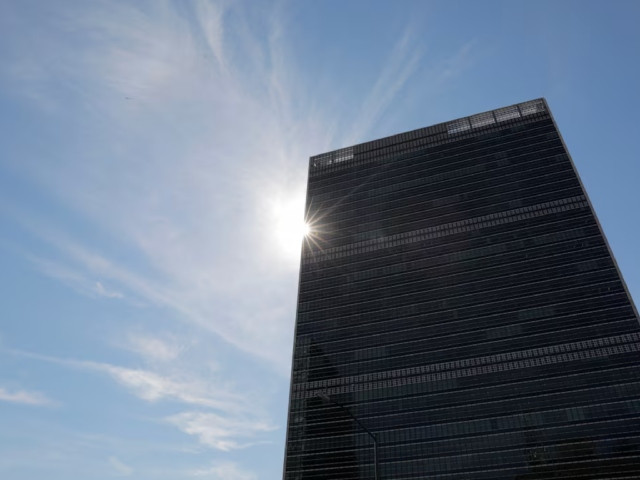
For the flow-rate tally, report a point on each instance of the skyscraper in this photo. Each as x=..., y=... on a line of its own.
x=458, y=300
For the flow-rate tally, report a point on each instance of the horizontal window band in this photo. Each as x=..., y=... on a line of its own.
x=564, y=417
x=467, y=326
x=369, y=189
x=394, y=141
x=515, y=303
x=568, y=251
x=408, y=158
x=538, y=147
x=350, y=156
x=360, y=193
x=457, y=297
x=325, y=368
x=418, y=443
x=459, y=199
x=381, y=380
x=491, y=275
x=468, y=332
x=608, y=377
x=476, y=223
x=326, y=418
x=517, y=239
x=431, y=450
x=468, y=465
x=416, y=141
x=359, y=160
x=341, y=442
x=342, y=234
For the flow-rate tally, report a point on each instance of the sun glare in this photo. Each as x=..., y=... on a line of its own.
x=289, y=226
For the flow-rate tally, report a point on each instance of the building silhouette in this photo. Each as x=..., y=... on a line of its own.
x=458, y=297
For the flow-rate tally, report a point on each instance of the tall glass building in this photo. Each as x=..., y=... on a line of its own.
x=459, y=301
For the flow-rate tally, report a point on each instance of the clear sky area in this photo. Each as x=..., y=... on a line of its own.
x=153, y=160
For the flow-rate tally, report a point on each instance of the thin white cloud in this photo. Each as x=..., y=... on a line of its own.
x=154, y=348
x=223, y=471
x=121, y=469
x=189, y=129
x=398, y=67
x=25, y=397
x=152, y=387
x=201, y=228
x=104, y=292
x=233, y=420
x=73, y=277
x=461, y=60
x=204, y=128
x=210, y=20
x=218, y=432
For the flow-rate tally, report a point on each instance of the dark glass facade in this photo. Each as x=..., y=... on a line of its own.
x=458, y=297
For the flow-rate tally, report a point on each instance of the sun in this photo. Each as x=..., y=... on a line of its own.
x=289, y=227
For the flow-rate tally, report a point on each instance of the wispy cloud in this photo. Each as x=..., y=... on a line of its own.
x=178, y=158
x=460, y=61
x=154, y=348
x=255, y=324
x=104, y=292
x=199, y=219
x=218, y=432
x=25, y=397
x=121, y=469
x=152, y=387
x=75, y=278
x=223, y=471
x=399, y=65
x=209, y=23
x=198, y=123
x=231, y=420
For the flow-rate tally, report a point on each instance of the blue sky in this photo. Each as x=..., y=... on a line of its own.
x=153, y=157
